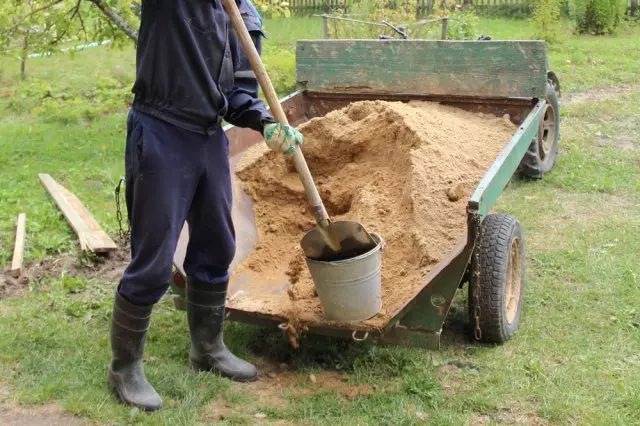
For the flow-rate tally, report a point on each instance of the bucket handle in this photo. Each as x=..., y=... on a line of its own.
x=359, y=339
x=382, y=241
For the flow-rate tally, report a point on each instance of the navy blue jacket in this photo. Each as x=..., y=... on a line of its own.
x=186, y=58
x=244, y=77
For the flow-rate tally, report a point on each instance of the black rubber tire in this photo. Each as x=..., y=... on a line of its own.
x=489, y=266
x=535, y=163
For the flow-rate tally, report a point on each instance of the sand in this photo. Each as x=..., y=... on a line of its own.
x=405, y=171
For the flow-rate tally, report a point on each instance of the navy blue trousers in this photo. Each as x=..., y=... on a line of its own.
x=173, y=175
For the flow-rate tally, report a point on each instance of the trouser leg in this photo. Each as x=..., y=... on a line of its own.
x=162, y=174
x=211, y=233
x=209, y=254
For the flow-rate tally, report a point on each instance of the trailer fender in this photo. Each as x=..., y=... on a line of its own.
x=554, y=81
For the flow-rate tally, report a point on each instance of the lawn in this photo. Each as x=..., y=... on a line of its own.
x=574, y=361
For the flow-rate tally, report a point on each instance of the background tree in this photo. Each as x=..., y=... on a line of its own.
x=45, y=26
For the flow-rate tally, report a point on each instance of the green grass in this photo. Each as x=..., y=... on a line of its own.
x=581, y=62
x=574, y=360
x=85, y=158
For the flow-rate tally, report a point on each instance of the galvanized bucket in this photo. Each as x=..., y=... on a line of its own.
x=349, y=289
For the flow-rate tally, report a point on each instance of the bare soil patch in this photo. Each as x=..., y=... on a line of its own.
x=12, y=414
x=276, y=385
x=105, y=267
x=598, y=95
x=44, y=415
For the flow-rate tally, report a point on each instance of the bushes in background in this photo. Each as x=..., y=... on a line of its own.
x=56, y=100
x=71, y=101
x=595, y=17
x=546, y=16
x=599, y=16
x=281, y=66
x=463, y=25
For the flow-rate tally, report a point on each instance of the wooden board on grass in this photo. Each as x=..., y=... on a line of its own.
x=18, y=251
x=89, y=233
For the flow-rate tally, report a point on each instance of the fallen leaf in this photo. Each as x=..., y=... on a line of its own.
x=422, y=416
x=351, y=393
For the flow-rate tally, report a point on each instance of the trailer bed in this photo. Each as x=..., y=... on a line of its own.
x=417, y=316
x=258, y=296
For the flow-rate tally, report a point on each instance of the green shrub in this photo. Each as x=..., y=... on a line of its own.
x=281, y=66
x=64, y=102
x=69, y=101
x=599, y=16
x=462, y=25
x=510, y=11
x=546, y=16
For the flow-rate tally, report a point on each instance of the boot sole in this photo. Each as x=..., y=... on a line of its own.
x=208, y=369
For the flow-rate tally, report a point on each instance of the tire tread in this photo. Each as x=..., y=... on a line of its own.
x=494, y=250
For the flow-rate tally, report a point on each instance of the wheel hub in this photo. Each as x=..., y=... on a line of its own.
x=548, y=131
x=513, y=283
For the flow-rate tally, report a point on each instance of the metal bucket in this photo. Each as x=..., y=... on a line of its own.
x=349, y=289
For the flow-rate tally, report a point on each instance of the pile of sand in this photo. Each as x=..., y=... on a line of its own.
x=405, y=171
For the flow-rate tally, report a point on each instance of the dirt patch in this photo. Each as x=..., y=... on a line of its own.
x=598, y=95
x=583, y=212
x=404, y=171
x=623, y=142
x=42, y=415
x=456, y=382
x=625, y=137
x=575, y=214
x=455, y=378
x=276, y=385
x=108, y=267
x=518, y=414
x=11, y=286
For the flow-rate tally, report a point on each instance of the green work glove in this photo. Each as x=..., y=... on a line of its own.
x=282, y=138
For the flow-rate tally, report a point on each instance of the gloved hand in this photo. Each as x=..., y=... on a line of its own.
x=282, y=138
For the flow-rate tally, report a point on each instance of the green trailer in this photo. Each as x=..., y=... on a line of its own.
x=495, y=77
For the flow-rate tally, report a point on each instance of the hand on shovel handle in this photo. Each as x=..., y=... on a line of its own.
x=319, y=212
x=282, y=138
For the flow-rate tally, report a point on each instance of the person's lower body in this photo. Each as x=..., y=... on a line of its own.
x=173, y=175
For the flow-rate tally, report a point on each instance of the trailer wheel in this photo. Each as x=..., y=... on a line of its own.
x=543, y=150
x=498, y=264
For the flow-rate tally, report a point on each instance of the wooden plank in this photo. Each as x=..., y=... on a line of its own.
x=90, y=235
x=18, y=251
x=455, y=68
x=98, y=241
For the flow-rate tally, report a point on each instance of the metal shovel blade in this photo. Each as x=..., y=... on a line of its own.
x=354, y=241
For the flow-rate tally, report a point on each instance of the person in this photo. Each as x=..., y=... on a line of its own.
x=177, y=169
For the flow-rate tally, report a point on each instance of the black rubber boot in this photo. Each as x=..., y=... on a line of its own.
x=129, y=325
x=205, y=312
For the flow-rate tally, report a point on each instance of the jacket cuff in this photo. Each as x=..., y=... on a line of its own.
x=266, y=119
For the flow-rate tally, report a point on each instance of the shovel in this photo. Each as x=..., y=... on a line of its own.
x=329, y=241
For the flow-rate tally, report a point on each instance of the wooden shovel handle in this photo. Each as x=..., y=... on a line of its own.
x=319, y=212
